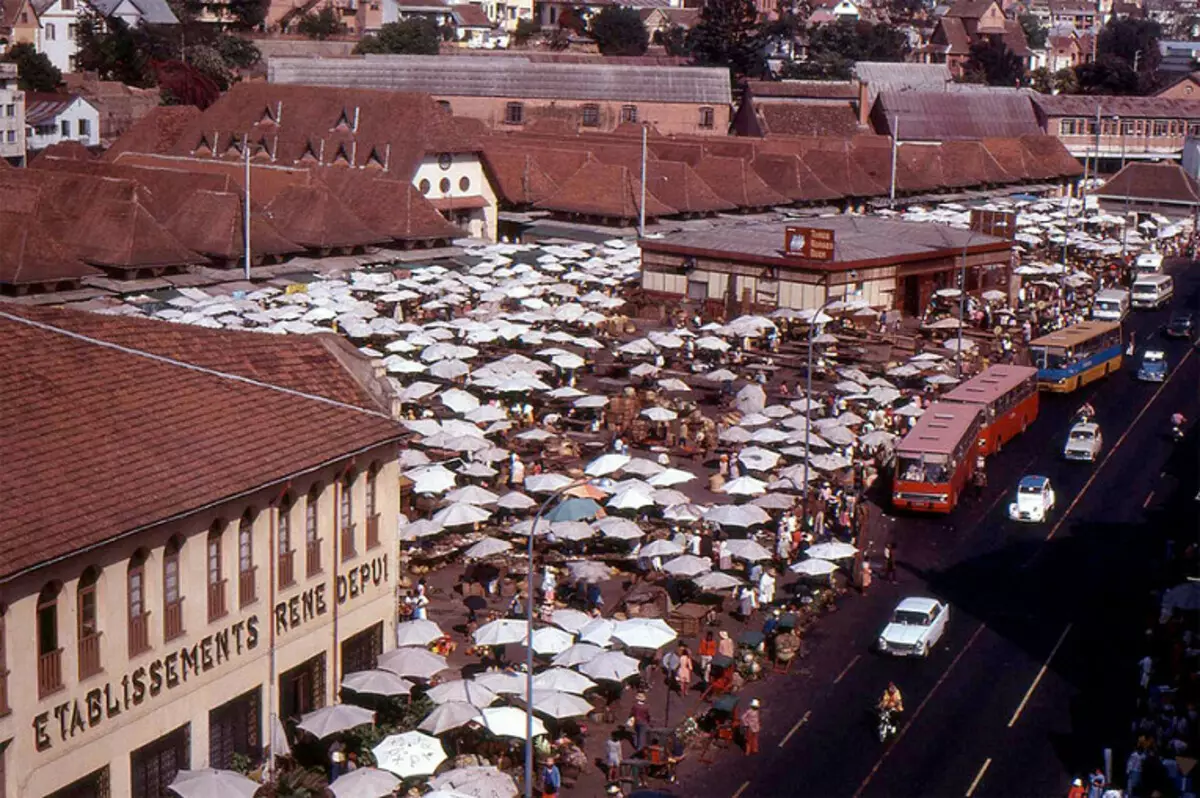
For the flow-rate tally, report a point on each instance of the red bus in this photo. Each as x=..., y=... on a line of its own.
x=1008, y=396
x=937, y=457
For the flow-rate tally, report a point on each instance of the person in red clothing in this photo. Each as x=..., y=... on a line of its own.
x=751, y=726
x=707, y=650
x=1077, y=789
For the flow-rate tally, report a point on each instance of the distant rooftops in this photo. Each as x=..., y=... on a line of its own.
x=517, y=77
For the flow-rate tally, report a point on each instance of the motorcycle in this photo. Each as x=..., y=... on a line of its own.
x=887, y=726
x=1176, y=433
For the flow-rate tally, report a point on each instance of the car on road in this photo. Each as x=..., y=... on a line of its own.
x=1180, y=325
x=1083, y=442
x=1153, y=367
x=915, y=627
x=1035, y=499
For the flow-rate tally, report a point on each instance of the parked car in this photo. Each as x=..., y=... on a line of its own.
x=1035, y=499
x=1180, y=325
x=1083, y=442
x=916, y=626
x=1153, y=367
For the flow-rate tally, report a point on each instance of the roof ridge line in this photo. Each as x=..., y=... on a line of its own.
x=190, y=366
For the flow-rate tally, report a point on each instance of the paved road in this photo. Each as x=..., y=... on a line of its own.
x=1035, y=675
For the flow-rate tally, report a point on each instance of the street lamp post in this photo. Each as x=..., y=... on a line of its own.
x=593, y=471
x=812, y=328
x=962, y=305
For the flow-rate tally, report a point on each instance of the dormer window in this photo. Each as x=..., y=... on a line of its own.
x=342, y=155
x=344, y=121
x=309, y=156
x=374, y=160
x=268, y=116
x=203, y=147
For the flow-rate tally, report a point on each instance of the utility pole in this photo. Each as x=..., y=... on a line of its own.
x=246, y=204
x=895, y=150
x=642, y=208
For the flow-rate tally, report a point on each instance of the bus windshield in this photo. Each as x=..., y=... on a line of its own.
x=931, y=468
x=1051, y=357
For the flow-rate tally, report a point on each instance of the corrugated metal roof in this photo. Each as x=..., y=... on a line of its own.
x=42, y=108
x=509, y=77
x=882, y=75
x=1083, y=105
x=947, y=116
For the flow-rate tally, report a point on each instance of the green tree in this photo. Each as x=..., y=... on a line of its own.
x=114, y=50
x=728, y=35
x=416, y=36
x=1035, y=34
x=34, y=68
x=246, y=14
x=1133, y=40
x=858, y=41
x=321, y=24
x=1042, y=80
x=1064, y=81
x=618, y=30
x=526, y=30
x=1109, y=74
x=993, y=63
x=675, y=41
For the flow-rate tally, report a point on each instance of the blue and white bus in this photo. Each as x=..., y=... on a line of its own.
x=1072, y=357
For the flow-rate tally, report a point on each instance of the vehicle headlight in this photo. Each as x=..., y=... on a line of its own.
x=882, y=644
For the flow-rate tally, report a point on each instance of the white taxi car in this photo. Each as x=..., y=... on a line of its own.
x=1083, y=442
x=1035, y=499
x=916, y=626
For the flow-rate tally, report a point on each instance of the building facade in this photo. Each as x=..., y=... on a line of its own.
x=54, y=118
x=18, y=24
x=185, y=637
x=1117, y=129
x=60, y=20
x=12, y=116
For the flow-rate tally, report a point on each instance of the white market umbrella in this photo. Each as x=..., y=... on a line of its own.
x=515, y=501
x=569, y=619
x=684, y=512
x=716, y=580
x=471, y=494
x=633, y=498
x=338, y=718
x=458, y=400
x=550, y=640
x=412, y=753
x=376, y=682
x=813, y=567
x=597, y=631
x=670, y=477
x=431, y=479
x=479, y=782
x=460, y=514
x=486, y=547
x=736, y=515
x=745, y=486
x=577, y=654
x=501, y=632
x=563, y=679
x=589, y=571
x=417, y=633
x=668, y=497
x=509, y=722
x=502, y=682
x=833, y=550
x=559, y=705
x=612, y=666
x=412, y=662
x=647, y=633
x=660, y=414
x=747, y=550
x=448, y=716
x=210, y=783
x=366, y=782
x=688, y=565
x=546, y=483
x=421, y=528
x=660, y=548
x=606, y=464
x=757, y=459
x=470, y=692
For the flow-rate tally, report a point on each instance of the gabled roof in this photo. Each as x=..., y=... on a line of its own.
x=100, y=442
x=151, y=12
x=678, y=185
x=734, y=180
x=392, y=207
x=509, y=76
x=44, y=108
x=943, y=116
x=605, y=190
x=31, y=255
x=156, y=132
x=882, y=75
x=520, y=180
x=1124, y=106
x=10, y=12
x=969, y=9
x=804, y=89
x=470, y=16
x=808, y=120
x=311, y=215
x=211, y=223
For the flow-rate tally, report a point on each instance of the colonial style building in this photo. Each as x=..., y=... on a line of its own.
x=60, y=18
x=12, y=116
x=54, y=118
x=1119, y=129
x=198, y=540
x=968, y=23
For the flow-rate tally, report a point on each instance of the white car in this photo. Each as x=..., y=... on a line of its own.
x=916, y=626
x=1035, y=499
x=1083, y=442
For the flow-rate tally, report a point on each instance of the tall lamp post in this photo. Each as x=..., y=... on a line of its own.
x=812, y=329
x=601, y=466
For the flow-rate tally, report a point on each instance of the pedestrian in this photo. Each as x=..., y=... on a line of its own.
x=612, y=755
x=685, y=670
x=725, y=644
x=751, y=726
x=1077, y=789
x=639, y=717
x=766, y=587
x=551, y=779
x=707, y=650
x=889, y=561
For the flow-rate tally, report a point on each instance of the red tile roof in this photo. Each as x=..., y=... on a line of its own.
x=734, y=180
x=809, y=119
x=678, y=185
x=156, y=132
x=311, y=215
x=31, y=256
x=212, y=223
x=99, y=442
x=604, y=190
x=1156, y=182
x=392, y=207
x=520, y=179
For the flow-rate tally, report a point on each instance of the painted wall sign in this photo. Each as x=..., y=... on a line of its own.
x=314, y=602
x=811, y=243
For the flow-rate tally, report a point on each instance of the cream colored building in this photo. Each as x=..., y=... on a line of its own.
x=251, y=565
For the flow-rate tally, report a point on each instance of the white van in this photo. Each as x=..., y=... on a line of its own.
x=1147, y=263
x=1153, y=291
x=1111, y=304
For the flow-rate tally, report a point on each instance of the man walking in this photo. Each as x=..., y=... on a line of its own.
x=889, y=561
x=551, y=779
x=751, y=726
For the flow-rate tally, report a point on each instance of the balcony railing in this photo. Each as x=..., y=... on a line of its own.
x=373, y=531
x=173, y=619
x=89, y=655
x=139, y=634
x=348, y=551
x=287, y=568
x=246, y=586
x=216, y=600
x=312, y=557
x=50, y=677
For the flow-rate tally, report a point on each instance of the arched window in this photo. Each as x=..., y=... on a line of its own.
x=372, y=512
x=312, y=531
x=139, y=616
x=216, y=580
x=49, y=666
x=172, y=594
x=88, y=620
x=346, y=515
x=246, y=559
x=283, y=535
